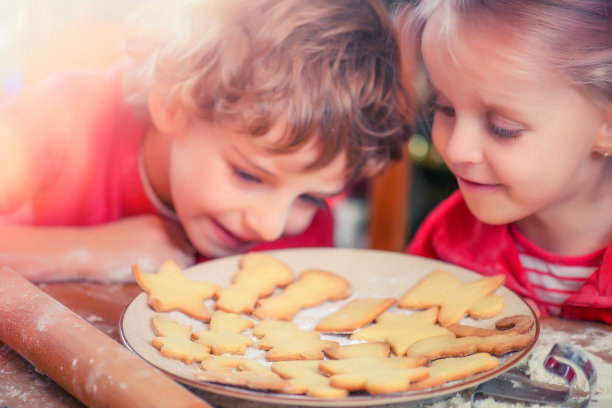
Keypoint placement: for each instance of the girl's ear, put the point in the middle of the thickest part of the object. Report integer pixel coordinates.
(603, 143)
(166, 112)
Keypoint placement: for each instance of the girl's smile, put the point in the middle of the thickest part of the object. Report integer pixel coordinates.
(474, 187)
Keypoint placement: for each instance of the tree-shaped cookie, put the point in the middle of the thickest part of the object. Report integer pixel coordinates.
(259, 275)
(169, 289)
(373, 374)
(401, 331)
(224, 333)
(312, 288)
(174, 341)
(454, 298)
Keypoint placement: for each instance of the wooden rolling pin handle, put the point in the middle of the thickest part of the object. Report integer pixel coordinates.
(80, 358)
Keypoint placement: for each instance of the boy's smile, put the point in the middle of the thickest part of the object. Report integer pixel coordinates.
(231, 193)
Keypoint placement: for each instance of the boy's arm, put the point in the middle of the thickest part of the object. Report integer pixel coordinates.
(103, 253)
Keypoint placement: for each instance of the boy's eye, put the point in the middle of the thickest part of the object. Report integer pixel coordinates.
(443, 109)
(246, 176)
(319, 202)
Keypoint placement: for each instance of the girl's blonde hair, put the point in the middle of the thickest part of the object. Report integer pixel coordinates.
(328, 69)
(574, 37)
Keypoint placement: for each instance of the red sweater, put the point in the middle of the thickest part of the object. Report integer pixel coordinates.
(452, 234)
(110, 187)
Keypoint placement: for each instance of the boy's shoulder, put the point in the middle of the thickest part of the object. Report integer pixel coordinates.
(62, 105)
(81, 88)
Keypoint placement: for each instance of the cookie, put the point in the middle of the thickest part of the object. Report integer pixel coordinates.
(451, 369)
(372, 374)
(454, 298)
(169, 289)
(443, 346)
(510, 324)
(381, 350)
(258, 277)
(354, 315)
(312, 288)
(305, 378)
(224, 334)
(241, 371)
(287, 342)
(268, 326)
(401, 331)
(174, 341)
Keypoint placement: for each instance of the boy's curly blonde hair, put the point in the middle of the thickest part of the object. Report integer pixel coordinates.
(328, 69)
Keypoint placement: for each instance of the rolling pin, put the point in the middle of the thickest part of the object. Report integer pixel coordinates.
(84, 361)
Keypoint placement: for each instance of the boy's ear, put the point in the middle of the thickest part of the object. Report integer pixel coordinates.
(166, 112)
(603, 143)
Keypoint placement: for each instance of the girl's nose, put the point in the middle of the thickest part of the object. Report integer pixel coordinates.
(268, 219)
(464, 144)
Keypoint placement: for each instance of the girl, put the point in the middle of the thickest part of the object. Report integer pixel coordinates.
(522, 95)
(227, 126)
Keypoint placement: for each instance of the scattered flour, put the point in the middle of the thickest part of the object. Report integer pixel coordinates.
(592, 340)
(598, 340)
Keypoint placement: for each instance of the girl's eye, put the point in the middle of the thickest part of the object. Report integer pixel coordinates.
(504, 133)
(246, 176)
(443, 109)
(307, 198)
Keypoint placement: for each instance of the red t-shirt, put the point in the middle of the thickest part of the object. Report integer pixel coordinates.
(452, 234)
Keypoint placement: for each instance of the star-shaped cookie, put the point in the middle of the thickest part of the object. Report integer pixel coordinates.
(373, 374)
(174, 341)
(169, 289)
(401, 331)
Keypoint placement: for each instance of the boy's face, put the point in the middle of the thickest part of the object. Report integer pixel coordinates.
(518, 138)
(230, 194)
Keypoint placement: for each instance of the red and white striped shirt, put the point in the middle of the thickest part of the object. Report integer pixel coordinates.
(554, 277)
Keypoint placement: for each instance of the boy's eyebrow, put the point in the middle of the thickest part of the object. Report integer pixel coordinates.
(247, 158)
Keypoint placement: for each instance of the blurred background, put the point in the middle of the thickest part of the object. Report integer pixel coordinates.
(40, 36)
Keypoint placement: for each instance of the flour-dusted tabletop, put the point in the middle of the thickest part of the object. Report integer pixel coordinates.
(22, 386)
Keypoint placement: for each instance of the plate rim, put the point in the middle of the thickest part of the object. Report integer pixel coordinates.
(274, 398)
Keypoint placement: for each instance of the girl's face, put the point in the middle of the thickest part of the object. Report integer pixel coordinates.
(519, 139)
(230, 194)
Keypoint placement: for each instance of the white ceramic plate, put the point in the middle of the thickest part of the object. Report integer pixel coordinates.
(371, 273)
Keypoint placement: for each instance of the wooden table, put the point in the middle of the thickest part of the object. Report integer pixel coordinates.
(101, 305)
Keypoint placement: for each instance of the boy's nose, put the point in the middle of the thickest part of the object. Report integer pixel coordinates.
(267, 220)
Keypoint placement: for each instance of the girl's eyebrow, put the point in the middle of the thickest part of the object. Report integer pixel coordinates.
(433, 88)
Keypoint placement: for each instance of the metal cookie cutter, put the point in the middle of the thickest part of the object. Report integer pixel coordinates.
(513, 386)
